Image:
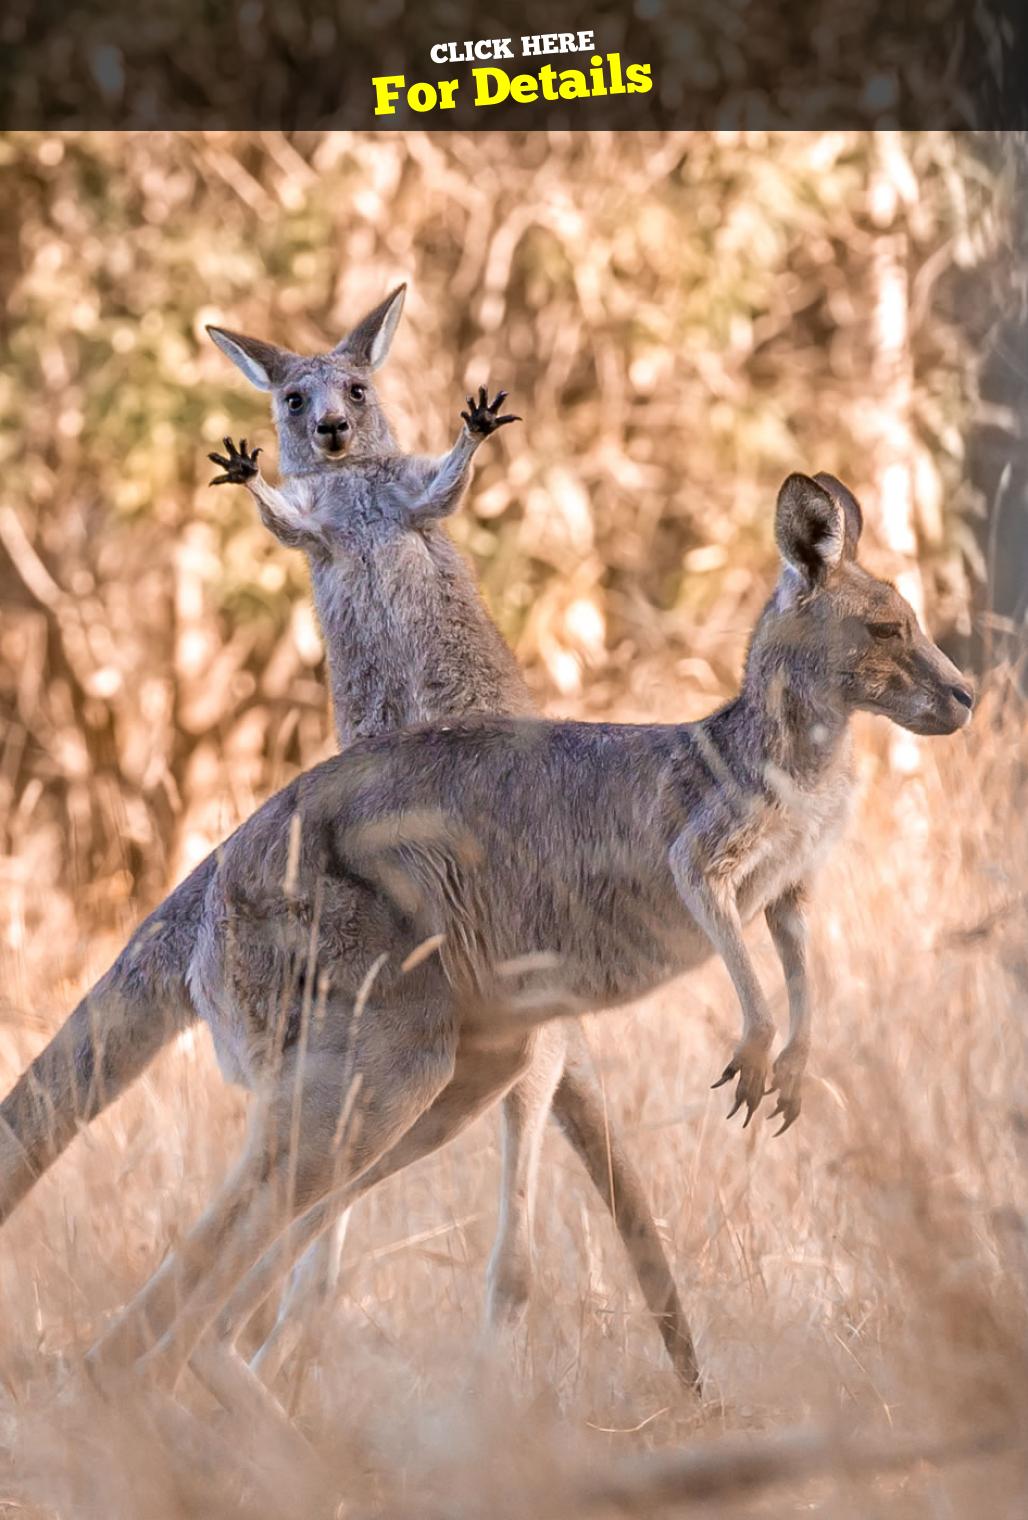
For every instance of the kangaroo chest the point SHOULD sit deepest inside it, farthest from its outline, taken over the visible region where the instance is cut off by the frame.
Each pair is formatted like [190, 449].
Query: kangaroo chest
[785, 840]
[407, 640]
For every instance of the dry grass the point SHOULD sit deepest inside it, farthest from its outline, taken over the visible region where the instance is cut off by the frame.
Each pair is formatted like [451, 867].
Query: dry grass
[861, 1280]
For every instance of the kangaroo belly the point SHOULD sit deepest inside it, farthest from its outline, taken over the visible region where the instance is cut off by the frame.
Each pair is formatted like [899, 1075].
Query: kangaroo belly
[612, 946]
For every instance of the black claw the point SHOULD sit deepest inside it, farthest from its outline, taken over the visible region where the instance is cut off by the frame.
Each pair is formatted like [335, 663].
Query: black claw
[791, 1113]
[726, 1076]
[481, 416]
[735, 1107]
[238, 464]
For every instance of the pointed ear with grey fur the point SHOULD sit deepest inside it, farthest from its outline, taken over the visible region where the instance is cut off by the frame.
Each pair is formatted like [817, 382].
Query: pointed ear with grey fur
[854, 517]
[263, 364]
[810, 528]
[369, 343]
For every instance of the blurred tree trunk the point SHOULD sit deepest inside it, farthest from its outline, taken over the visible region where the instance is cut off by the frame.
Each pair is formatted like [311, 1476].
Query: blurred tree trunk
[892, 185]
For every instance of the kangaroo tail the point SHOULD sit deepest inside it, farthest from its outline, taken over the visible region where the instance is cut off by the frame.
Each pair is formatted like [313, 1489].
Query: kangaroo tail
[134, 1010]
[578, 1110]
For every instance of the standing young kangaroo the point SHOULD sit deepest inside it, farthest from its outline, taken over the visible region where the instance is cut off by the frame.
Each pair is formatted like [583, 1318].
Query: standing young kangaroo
[409, 640]
[428, 897]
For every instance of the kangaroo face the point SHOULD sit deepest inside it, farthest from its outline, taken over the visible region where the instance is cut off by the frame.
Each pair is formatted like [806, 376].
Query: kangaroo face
[325, 408]
[325, 411]
[884, 662]
[845, 635]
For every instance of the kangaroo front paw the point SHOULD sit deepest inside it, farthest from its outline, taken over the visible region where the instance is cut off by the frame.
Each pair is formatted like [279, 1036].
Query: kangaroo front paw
[481, 418]
[750, 1065]
[238, 465]
[787, 1081]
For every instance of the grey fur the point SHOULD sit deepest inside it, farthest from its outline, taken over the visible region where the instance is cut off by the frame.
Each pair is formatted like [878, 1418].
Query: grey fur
[409, 640]
[549, 868]
[376, 946]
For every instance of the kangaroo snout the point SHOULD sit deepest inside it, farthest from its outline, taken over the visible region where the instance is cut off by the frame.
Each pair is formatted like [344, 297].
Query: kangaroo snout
[332, 431]
[961, 697]
[951, 695]
[955, 699]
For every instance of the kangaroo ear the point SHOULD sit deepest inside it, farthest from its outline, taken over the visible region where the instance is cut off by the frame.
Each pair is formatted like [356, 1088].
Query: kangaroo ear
[810, 528]
[853, 516]
[369, 342]
[263, 364]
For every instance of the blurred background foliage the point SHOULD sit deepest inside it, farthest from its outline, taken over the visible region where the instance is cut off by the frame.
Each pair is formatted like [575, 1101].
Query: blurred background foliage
[681, 319]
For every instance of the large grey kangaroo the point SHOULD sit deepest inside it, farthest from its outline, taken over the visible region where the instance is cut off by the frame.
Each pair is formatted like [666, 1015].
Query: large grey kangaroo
[427, 898]
[409, 640]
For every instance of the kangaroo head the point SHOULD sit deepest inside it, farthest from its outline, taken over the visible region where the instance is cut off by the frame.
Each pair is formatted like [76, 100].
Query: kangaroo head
[843, 636]
[325, 407]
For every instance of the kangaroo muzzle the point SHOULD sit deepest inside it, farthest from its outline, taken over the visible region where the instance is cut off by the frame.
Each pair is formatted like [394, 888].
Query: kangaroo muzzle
[332, 434]
[949, 695]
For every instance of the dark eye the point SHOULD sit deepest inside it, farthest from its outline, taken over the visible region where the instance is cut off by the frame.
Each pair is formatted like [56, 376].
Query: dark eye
[294, 401]
[884, 631]
[357, 392]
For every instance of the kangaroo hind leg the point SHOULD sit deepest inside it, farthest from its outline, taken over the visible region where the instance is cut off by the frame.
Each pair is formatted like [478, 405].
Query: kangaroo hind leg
[324, 1119]
[481, 1076]
[525, 1110]
[579, 1111]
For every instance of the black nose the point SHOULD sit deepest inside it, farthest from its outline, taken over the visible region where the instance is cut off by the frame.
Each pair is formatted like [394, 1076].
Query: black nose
[964, 695]
[332, 425]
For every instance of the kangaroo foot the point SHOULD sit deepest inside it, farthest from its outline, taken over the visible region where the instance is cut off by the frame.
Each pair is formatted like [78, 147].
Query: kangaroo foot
[749, 1064]
[787, 1081]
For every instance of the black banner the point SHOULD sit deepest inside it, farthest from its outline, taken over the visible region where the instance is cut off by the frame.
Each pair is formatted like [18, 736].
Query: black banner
[541, 65]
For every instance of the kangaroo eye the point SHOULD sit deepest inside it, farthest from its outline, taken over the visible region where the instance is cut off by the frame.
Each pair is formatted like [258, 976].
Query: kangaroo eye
[885, 631]
[294, 401]
[357, 392]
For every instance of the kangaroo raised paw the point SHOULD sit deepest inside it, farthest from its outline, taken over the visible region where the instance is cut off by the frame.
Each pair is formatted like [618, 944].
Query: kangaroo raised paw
[481, 415]
[238, 465]
[749, 1064]
[787, 1081]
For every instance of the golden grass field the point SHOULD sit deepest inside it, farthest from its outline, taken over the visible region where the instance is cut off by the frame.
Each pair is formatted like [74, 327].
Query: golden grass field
[857, 1288]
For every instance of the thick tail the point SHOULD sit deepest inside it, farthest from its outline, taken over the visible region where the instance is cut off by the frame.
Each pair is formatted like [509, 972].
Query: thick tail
[110, 1038]
[578, 1110]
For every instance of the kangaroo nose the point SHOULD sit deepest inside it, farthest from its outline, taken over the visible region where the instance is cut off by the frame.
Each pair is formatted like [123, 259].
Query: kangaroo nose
[332, 425]
[964, 695]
